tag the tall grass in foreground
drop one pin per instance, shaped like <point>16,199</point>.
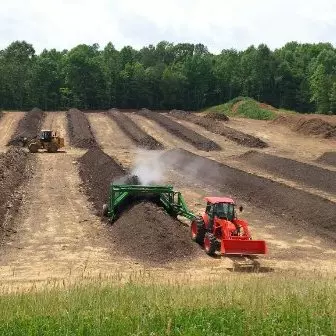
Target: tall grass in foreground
<point>234,306</point>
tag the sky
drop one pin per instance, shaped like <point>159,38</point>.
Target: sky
<point>218,24</point>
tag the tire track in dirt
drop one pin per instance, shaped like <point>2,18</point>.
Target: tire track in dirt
<point>8,125</point>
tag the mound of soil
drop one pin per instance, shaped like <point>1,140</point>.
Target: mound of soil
<point>133,131</point>
<point>216,116</point>
<point>239,137</point>
<point>143,231</point>
<point>311,176</point>
<point>147,233</point>
<point>308,126</point>
<point>197,140</point>
<point>80,132</point>
<point>97,171</point>
<point>293,205</point>
<point>328,158</point>
<point>28,127</point>
<point>13,172</point>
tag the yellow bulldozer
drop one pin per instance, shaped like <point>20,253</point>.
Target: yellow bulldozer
<point>47,140</point>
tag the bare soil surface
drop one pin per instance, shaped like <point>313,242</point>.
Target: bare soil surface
<point>328,158</point>
<point>289,203</point>
<point>283,141</point>
<point>79,130</point>
<point>133,131</point>
<point>309,125</point>
<point>8,125</point>
<point>187,134</point>
<point>28,127</point>
<point>219,128</point>
<point>309,175</point>
<point>14,170</point>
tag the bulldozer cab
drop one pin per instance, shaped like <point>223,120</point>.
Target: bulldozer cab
<point>46,136</point>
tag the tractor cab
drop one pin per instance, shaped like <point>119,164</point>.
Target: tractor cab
<point>220,207</point>
<point>46,136</point>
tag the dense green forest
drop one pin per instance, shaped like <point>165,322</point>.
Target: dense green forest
<point>187,76</point>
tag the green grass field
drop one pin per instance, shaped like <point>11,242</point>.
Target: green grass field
<point>242,304</point>
<point>246,108</point>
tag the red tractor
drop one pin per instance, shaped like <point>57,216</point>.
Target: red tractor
<point>219,230</point>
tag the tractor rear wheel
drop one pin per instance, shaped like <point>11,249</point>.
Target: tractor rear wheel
<point>197,230</point>
<point>33,147</point>
<point>210,243</point>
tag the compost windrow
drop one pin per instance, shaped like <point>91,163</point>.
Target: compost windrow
<point>197,140</point>
<point>328,158</point>
<point>80,132</point>
<point>295,206</point>
<point>309,175</point>
<point>212,124</point>
<point>133,131</point>
<point>144,231</point>
<point>28,128</point>
<point>14,170</point>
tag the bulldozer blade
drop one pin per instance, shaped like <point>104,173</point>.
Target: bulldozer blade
<point>243,247</point>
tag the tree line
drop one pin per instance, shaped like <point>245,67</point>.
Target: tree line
<point>187,76</point>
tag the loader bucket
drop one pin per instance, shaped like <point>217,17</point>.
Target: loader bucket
<point>245,247</point>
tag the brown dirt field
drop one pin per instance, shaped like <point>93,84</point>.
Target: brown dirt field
<point>312,176</point>
<point>216,116</point>
<point>197,140</point>
<point>260,192</point>
<point>14,170</point>
<point>328,158</point>
<point>28,127</point>
<point>133,131</point>
<point>283,141</point>
<point>314,126</point>
<point>80,133</point>
<point>8,125</point>
<point>57,235</point>
<point>291,247</point>
<point>219,128</point>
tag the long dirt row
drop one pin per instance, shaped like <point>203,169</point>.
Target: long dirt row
<point>287,240</point>
<point>133,131</point>
<point>79,129</point>
<point>28,127</point>
<point>307,174</point>
<point>218,127</point>
<point>293,205</point>
<point>187,134</point>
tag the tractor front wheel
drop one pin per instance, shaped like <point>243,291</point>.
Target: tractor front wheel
<point>210,244</point>
<point>197,230</point>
